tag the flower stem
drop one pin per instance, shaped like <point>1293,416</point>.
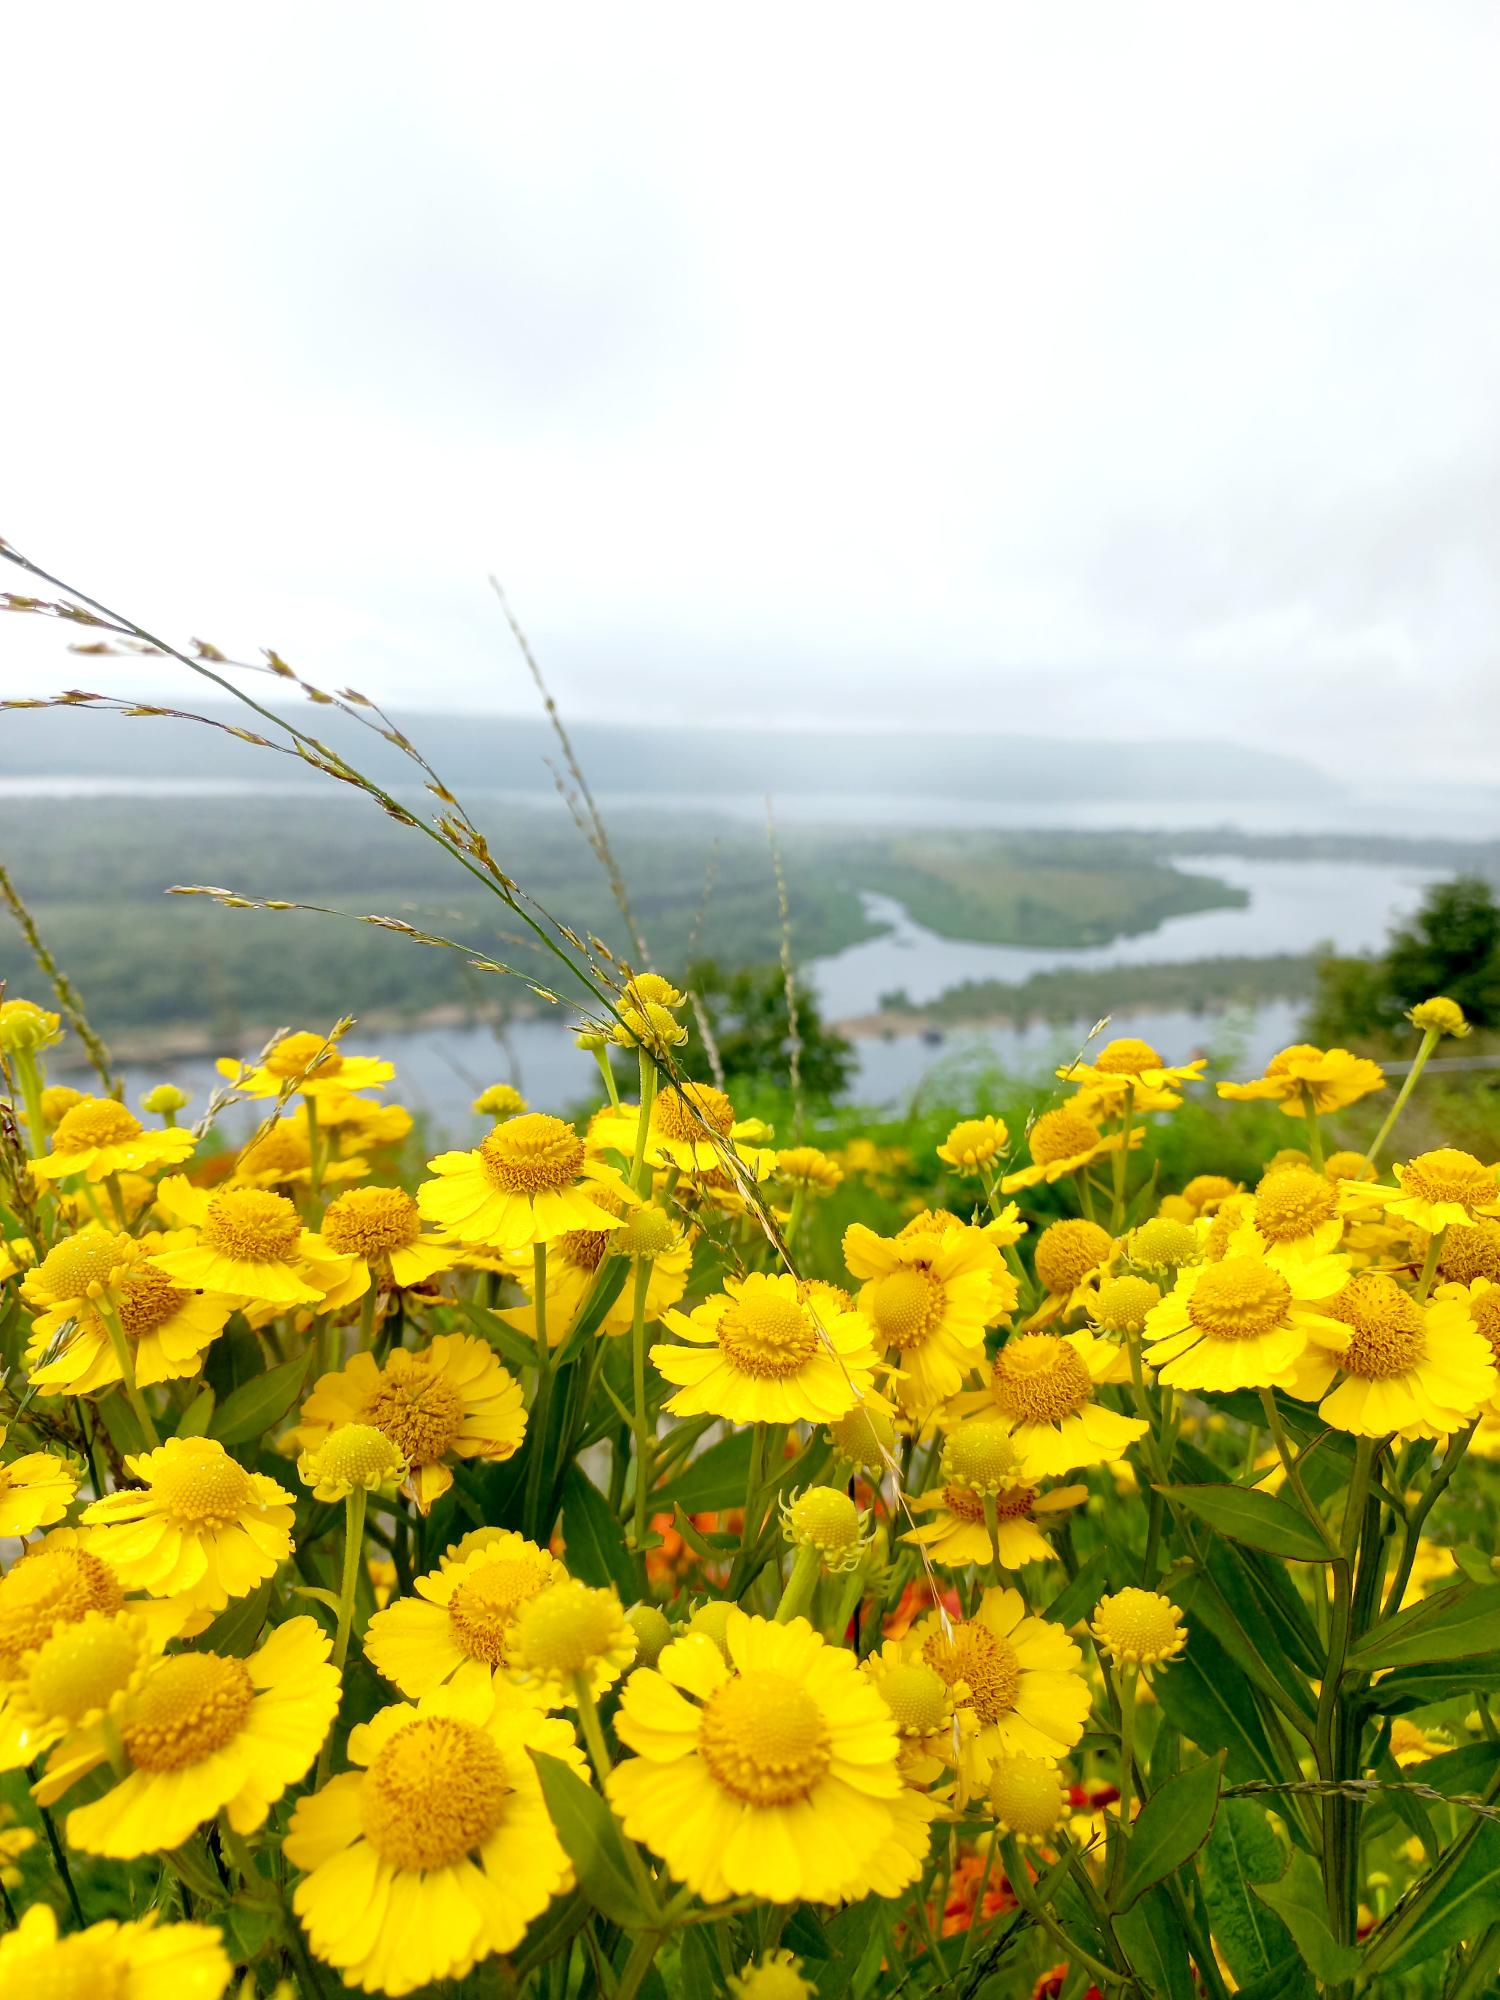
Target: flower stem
<point>1018,1876</point>
<point>540,1407</point>
<point>644,1437</point>
<point>1121,1164</point>
<point>354,1543</point>
<point>1429,1264</point>
<point>125,1361</point>
<point>1314,1133</point>
<point>60,1861</point>
<point>638,1167</point>
<point>1430,1039</point>
<point>1127,1686</point>
<point>800,1584</point>
<point>601,1056</point>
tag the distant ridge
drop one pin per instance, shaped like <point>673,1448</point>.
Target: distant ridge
<point>511,753</point>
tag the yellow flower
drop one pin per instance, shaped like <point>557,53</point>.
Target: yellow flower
<point>1469,1251</point>
<point>824,1518</point>
<point>983,1460</point>
<point>757,1352</point>
<point>1068,1258</point>
<point>1130,1065</point>
<point>164,1100</point>
<point>929,1297</point>
<point>26,1028</point>
<point>55,1582</point>
<point>199,1527</point>
<point>532,1180</point>
<point>1441,1014</point>
<point>1410,1743</point>
<point>205,1733</point>
<point>281,1156</point>
<point>1063,1142</point>
<point>1018,1678</point>
<point>311,1065</point>
<point>808,1168</point>
<point>458,1625</point>
<point>167,1327</point>
<point>1333,1077</point>
<point>777,1976</point>
<point>1139,1628</point>
<point>1405,1368</point>
<point>691,1127</point>
<point>1296,1214</point>
<point>772,1773</point>
<point>57,1100</point>
<point>569,1632</point>
<point>1205,1193</point>
<point>1028,1796</point>
<point>648,1236</point>
<point>99,1137</point>
<point>644,1016</point>
<point>1121,1304</point>
<point>36,1489</point>
<point>1162,1243</point>
<point>1481,1301</point>
<point>1434,1191</point>
<point>501,1100</point>
<point>1043,1385</point>
<point>452,1400</point>
<point>143,1960</point>
<point>921,1705</point>
<point>83,1669</point>
<point>249,1245</point>
<point>973,1143</point>
<point>355,1458</point>
<point>1242,1323</point>
<point>438,1850</point>
<point>382,1229</point>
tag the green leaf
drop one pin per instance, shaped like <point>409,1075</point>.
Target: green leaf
<point>1078,1598</point>
<point>1259,1519</point>
<point>715,1480</point>
<point>596,1847</point>
<point>1299,1901</point>
<point>595,1541</point>
<point>1289,1980</point>
<point>1173,1825</point>
<point>1210,1701</point>
<point>1244,1627</point>
<point>194,1420</point>
<point>1421,1687</point>
<point>1260,1592</point>
<point>1465,1905</point>
<point>609,1282</point>
<point>803,1934</point>
<point>513,1347</point>
<point>1243,1850</point>
<point>1469,1768</point>
<point>327,1598</point>
<point>1474,1564</point>
<point>252,1409</point>
<point>1154,1943</point>
<point>1449,1625</point>
<point>119,1421</point>
<point>236,1629</point>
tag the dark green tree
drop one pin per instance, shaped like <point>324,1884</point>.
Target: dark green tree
<point>1451,946</point>
<point>747,1011</point>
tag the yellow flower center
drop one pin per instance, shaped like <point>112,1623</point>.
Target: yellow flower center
<point>48,1588</point>
<point>1027,1795</point>
<point>764,1739</point>
<point>965,1504</point>
<point>1470,1250</point>
<point>530,1155</point>
<point>809,1167</point>
<point>1349,1166</point>
<point>981,1455</point>
<point>80,1668</point>
<point>252,1226</point>
<point>1205,1191</point>
<point>825,1519</point>
<point>566,1627</point>
<point>1062,1135</point>
<point>1299,1052</point>
<point>297,1055</point>
<point>81,1262</point>
<point>186,1708</point>
<point>907,1306</point>
<point>1138,1625</point>
<point>1390,1334</point>
<point>650,1233</point>
<point>418,1409</point>
<point>1291,1204</point>
<point>367,1222</point>
<point>1240,1299</point>
<point>987,1666</point>
<point>1067,1251</point>
<point>483,1608</point>
<point>1127,1057</point>
<point>359,1455</point>
<point>766,1335</point>
<point>585,1249</point>
<point>201,1486</point>
<point>865,1437</point>
<point>1163,1244</point>
<point>1123,1304</point>
<point>279,1154</point>
<point>147,1300</point>
<point>917,1697</point>
<point>681,1111</point>
<point>435,1793</point>
<point>1449,1175</point>
<point>1040,1379</point>
<point>975,1140</point>
<point>1484,1310</point>
<point>97,1121</point>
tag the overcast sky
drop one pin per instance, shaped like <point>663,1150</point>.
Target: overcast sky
<point>1126,369</point>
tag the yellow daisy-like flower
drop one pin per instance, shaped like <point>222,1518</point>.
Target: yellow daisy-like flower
<point>381,1227</point>
<point>99,1137</point>
<point>566,1633</point>
<point>143,1960</point>
<point>770,1773</point>
<point>1401,1367</point>
<point>167,1328</point>
<point>84,1669</point>
<point>1206,1193</point>
<point>458,1625</point>
<point>1069,1258</point>
<point>929,1297</point>
<point>59,1098</point>
<point>982,1460</point>
<point>1121,1304</point>
<point>1028,1796</point>
<point>500,1100</point>
<point>531,1181</point>
<point>1440,1015</point>
<point>1469,1251</point>
<point>204,1734</point>
<point>438,1850</point>
<point>55,1582</point>
<point>1063,1142</point>
<point>1409,1743</point>
<point>1333,1078</point>
<point>1481,1301</point>
<point>1243,1322</point>
<point>808,1168</point>
<point>1434,1191</point>
<point>311,1065</point>
<point>250,1245</point>
<point>1139,1628</point>
<point>355,1458</point>
<point>452,1400</point>
<point>1128,1064</point>
<point>759,1352</point>
<point>281,1156</point>
<point>973,1143</point>
<point>691,1127</point>
<point>1296,1214</point>
<point>648,1236</point>
<point>25,1028</point>
<point>199,1527</point>
<point>921,1705</point>
<point>1043,1385</point>
<point>777,1976</point>
<point>36,1489</point>
<point>1019,1678</point>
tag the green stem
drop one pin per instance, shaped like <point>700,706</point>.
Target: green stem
<point>642,1953</point>
<point>125,1361</point>
<point>1331,1741</point>
<point>60,1861</point>
<point>1293,1475</point>
<point>593,1737</point>
<point>1430,1040</point>
<point>1018,1876</point>
<point>1429,1265</point>
<point>638,1167</point>
<point>1127,1776</point>
<point>800,1584</point>
<point>536,1464</point>
<point>644,1436</point>
<point>992,1525</point>
<point>367,1316</point>
<point>1121,1164</point>
<point>601,1056</point>
<point>1436,1487</point>
<point>1314,1132</point>
<point>354,1548</point>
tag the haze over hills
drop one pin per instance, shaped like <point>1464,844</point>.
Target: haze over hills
<point>512,752</point>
